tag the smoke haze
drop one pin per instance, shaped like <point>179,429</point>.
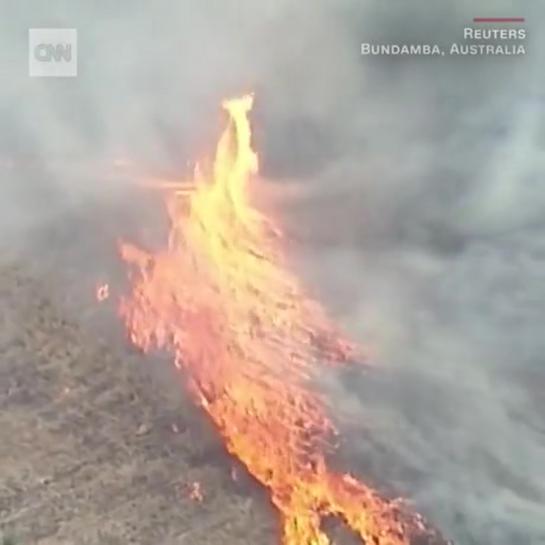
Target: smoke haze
<point>412,188</point>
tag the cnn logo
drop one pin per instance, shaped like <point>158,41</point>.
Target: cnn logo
<point>52,52</point>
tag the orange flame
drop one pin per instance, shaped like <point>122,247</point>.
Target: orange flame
<point>250,344</point>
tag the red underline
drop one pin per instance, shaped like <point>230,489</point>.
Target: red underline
<point>498,19</point>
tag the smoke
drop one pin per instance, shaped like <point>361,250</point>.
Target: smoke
<point>418,205</point>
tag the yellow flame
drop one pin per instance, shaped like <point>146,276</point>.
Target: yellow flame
<point>250,343</point>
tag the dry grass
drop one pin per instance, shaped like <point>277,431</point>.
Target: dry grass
<point>96,451</point>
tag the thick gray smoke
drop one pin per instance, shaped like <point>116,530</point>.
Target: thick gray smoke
<point>419,204</point>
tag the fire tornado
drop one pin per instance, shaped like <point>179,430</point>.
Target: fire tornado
<point>250,344</point>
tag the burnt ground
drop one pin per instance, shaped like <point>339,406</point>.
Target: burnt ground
<point>95,449</point>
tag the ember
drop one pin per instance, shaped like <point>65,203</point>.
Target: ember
<point>102,292</point>
<point>250,342</point>
<point>195,492</point>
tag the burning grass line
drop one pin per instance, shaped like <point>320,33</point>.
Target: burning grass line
<point>251,345</point>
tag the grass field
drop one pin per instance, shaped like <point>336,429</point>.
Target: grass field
<point>97,450</point>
